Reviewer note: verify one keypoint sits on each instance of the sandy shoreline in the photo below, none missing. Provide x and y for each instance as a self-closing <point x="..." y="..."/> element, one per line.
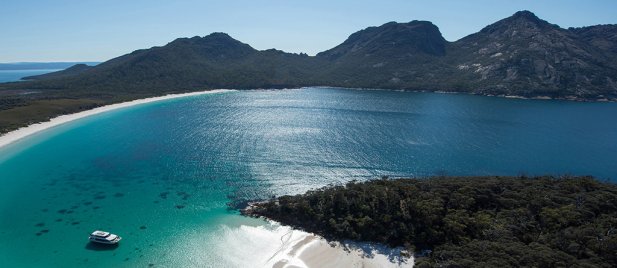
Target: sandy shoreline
<point x="283" y="247"/>
<point x="271" y="244"/>
<point x="313" y="251"/>
<point x="292" y="248"/>
<point x="23" y="132"/>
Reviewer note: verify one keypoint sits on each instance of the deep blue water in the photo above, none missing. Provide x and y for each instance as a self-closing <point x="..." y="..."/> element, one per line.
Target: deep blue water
<point x="161" y="174"/>
<point x="16" y="75"/>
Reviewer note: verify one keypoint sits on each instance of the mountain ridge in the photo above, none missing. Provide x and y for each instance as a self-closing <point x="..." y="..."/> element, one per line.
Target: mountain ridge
<point x="531" y="57"/>
<point x="521" y="55"/>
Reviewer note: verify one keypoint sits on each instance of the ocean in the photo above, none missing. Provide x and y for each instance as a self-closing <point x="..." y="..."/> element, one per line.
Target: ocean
<point x="162" y="174"/>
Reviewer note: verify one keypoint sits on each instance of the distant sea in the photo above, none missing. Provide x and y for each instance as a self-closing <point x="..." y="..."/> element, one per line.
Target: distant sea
<point x="16" y="75"/>
<point x="161" y="174"/>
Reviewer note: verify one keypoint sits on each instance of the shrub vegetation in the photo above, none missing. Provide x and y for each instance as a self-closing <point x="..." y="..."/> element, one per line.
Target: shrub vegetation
<point x="467" y="221"/>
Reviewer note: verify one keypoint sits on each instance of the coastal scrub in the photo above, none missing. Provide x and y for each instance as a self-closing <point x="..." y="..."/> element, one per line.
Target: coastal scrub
<point x="466" y="221"/>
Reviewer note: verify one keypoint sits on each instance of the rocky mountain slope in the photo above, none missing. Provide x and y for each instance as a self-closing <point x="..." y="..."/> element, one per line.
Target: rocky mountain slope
<point x="524" y="55"/>
<point x="395" y="55"/>
<point x="520" y="55"/>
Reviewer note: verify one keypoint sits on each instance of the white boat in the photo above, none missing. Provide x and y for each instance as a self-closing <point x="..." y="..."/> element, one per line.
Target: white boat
<point x="104" y="238"/>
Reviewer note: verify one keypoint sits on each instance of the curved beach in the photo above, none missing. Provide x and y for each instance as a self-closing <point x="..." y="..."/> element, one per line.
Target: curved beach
<point x="23" y="132"/>
<point x="277" y="246"/>
<point x="274" y="245"/>
<point x="315" y="251"/>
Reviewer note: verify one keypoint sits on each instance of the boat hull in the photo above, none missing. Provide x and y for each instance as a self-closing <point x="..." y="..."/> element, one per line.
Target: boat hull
<point x="105" y="241"/>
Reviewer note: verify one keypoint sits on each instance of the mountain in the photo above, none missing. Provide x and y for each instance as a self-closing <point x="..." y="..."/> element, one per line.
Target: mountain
<point x="524" y="55"/>
<point x="603" y="37"/>
<point x="404" y="39"/>
<point x="213" y="61"/>
<point x="394" y="55"/>
<point x="521" y="55"/>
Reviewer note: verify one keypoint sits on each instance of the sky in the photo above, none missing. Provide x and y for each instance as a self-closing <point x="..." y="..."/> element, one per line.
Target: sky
<point x="89" y="30"/>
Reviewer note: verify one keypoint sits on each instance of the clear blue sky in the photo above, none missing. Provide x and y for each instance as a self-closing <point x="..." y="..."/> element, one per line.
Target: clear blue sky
<point x="88" y="30"/>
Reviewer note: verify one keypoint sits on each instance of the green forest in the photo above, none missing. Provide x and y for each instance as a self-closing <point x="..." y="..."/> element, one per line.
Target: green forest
<point x="466" y="221"/>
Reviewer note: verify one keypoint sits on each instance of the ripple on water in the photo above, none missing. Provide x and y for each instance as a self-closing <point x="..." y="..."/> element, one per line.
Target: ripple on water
<point x="176" y="165"/>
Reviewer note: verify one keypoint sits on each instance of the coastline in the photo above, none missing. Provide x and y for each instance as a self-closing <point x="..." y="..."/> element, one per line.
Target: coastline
<point x="299" y="248"/>
<point x="315" y="251"/>
<point x="539" y="97"/>
<point x="279" y="246"/>
<point x="23" y="132"/>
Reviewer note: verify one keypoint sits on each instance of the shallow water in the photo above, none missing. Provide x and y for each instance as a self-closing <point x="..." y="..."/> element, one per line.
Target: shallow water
<point x="161" y="174"/>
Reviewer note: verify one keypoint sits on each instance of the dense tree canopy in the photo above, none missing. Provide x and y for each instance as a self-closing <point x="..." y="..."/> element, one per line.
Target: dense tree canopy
<point x="470" y="221"/>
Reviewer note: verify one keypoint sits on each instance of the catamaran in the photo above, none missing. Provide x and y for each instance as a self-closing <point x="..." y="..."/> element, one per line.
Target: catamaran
<point x="104" y="237"/>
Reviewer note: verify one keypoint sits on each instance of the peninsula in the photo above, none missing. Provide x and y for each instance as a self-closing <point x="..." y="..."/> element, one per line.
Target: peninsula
<point x="466" y="221"/>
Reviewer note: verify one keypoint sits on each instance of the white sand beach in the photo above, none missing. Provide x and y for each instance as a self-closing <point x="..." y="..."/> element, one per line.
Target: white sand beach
<point x="314" y="251"/>
<point x="23" y="132"/>
<point x="273" y="245"/>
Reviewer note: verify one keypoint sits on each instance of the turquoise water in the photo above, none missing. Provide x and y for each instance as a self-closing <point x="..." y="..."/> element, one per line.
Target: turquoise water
<point x="161" y="174"/>
<point x="16" y="75"/>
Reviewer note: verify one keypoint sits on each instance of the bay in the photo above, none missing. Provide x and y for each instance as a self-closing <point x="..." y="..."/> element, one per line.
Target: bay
<point x="161" y="174"/>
